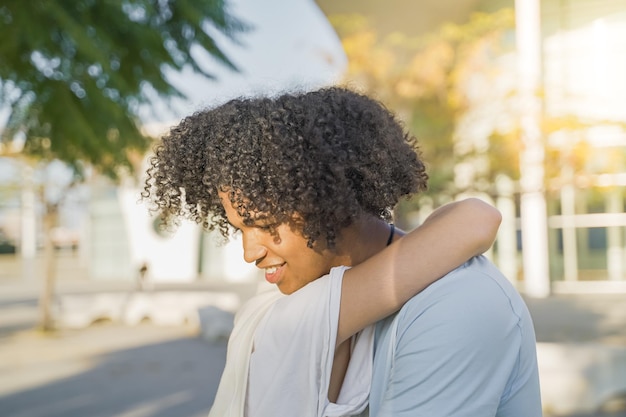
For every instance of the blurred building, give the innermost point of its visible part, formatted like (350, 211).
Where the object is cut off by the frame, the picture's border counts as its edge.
(580, 126)
(584, 66)
(582, 123)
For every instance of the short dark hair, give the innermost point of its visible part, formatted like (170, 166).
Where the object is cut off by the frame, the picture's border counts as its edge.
(328, 156)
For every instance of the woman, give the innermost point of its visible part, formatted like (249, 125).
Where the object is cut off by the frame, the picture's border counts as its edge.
(309, 180)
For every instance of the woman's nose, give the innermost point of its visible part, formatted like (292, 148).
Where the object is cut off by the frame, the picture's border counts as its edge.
(253, 248)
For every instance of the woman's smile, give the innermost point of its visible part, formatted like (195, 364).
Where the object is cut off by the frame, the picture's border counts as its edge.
(273, 274)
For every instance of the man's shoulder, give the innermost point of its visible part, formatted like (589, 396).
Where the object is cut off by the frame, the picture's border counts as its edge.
(475, 290)
(477, 278)
(463, 334)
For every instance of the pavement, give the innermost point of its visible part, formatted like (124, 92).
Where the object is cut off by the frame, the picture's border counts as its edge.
(149, 370)
(109, 370)
(103, 370)
(581, 349)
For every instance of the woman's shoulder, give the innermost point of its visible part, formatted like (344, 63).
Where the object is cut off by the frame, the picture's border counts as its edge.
(322, 284)
(258, 304)
(313, 303)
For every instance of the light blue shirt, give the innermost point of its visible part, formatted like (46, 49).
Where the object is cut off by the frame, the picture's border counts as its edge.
(465, 346)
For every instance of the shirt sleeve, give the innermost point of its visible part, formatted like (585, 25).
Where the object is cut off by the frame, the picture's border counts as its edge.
(457, 349)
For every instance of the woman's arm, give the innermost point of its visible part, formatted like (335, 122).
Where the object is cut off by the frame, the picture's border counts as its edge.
(379, 286)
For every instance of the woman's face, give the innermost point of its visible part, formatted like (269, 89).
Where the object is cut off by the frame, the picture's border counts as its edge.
(281, 251)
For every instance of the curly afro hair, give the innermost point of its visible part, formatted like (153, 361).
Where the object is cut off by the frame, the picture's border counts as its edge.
(328, 156)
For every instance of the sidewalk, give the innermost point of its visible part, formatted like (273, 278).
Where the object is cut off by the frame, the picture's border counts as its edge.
(581, 347)
(598, 318)
(106, 369)
(109, 370)
(169, 371)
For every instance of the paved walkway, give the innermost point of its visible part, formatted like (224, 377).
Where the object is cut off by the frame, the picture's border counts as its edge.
(109, 370)
(599, 318)
(582, 353)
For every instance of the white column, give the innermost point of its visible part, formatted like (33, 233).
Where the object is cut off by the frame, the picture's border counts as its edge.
(568, 210)
(533, 204)
(507, 233)
(615, 254)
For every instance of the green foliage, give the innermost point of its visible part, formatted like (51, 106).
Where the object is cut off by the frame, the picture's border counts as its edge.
(74, 72)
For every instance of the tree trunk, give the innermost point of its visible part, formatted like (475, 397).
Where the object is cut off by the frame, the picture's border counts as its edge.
(28, 242)
(46, 299)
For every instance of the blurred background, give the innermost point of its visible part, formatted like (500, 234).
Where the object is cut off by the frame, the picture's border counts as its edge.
(102, 313)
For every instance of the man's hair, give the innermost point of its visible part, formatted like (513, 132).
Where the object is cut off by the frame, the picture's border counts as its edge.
(327, 156)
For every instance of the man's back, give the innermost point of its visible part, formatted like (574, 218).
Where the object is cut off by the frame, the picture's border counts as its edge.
(465, 346)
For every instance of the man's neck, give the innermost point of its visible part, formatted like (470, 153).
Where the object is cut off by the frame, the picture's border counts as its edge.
(363, 239)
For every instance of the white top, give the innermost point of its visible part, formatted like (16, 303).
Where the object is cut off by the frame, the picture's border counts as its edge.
(230, 397)
(294, 344)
